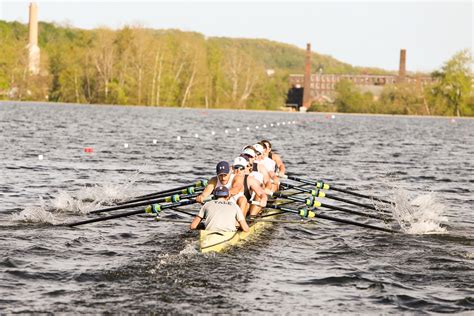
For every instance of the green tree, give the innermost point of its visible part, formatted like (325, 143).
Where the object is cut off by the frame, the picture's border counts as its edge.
(454, 82)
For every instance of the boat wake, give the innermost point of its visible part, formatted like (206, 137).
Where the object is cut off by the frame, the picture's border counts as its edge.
(81, 202)
(422, 214)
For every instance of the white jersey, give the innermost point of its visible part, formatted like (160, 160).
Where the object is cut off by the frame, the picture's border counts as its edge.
(269, 164)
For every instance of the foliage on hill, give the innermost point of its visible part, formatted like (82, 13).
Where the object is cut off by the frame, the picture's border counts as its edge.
(139, 66)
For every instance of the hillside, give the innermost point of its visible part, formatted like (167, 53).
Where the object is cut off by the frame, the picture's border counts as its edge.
(135, 65)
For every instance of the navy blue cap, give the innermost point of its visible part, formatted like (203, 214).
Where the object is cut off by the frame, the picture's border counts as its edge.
(221, 191)
(222, 168)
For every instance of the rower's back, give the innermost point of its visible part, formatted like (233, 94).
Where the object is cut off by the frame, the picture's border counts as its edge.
(221, 215)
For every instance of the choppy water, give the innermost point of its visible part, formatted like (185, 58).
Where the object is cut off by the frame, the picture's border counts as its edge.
(139, 265)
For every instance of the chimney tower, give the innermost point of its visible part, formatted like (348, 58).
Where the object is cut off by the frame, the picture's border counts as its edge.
(307, 79)
(403, 65)
(33, 49)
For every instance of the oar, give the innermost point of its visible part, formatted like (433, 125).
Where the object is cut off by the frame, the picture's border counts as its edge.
(152, 210)
(197, 184)
(325, 186)
(188, 190)
(309, 214)
(317, 192)
(312, 202)
(170, 199)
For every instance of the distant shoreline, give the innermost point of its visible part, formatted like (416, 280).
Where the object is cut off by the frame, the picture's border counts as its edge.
(230, 109)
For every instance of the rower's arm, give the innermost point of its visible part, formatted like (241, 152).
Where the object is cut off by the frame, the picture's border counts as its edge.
(259, 191)
(207, 191)
(195, 223)
(237, 186)
(241, 220)
(244, 225)
(280, 164)
(197, 220)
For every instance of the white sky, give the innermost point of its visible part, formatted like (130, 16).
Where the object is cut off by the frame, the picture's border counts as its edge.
(361, 33)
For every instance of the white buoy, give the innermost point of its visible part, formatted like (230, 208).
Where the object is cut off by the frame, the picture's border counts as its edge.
(213, 133)
(226, 131)
(237, 129)
(282, 123)
(256, 127)
(271, 125)
(333, 116)
(40, 157)
(264, 126)
(196, 135)
(248, 128)
(294, 122)
(289, 122)
(125, 145)
(155, 141)
(278, 124)
(178, 138)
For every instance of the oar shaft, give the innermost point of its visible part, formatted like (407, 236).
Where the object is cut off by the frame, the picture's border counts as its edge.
(337, 208)
(345, 221)
(360, 195)
(318, 183)
(188, 190)
(100, 219)
(198, 184)
(148, 202)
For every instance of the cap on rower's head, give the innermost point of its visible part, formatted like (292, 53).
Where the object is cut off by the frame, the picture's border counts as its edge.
(240, 161)
(222, 168)
(266, 143)
(249, 151)
(259, 148)
(221, 191)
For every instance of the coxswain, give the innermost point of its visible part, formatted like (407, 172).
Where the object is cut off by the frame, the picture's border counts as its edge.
(224, 177)
(220, 215)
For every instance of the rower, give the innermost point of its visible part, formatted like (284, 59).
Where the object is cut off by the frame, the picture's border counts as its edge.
(220, 215)
(252, 190)
(223, 177)
(280, 166)
(260, 175)
(269, 165)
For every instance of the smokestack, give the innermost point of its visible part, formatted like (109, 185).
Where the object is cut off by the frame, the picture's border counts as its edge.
(307, 78)
(33, 49)
(403, 65)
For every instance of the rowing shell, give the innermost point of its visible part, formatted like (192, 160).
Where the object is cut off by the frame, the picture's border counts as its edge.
(217, 241)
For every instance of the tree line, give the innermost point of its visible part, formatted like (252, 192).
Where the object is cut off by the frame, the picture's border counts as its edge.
(140, 66)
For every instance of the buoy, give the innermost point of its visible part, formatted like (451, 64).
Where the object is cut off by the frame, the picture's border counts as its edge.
(40, 157)
(178, 138)
(271, 125)
(88, 150)
(264, 126)
(155, 141)
(333, 116)
(226, 131)
(256, 127)
(213, 133)
(125, 145)
(196, 135)
(248, 128)
(237, 129)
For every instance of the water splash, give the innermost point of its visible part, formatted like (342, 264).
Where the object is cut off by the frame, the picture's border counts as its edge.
(35, 214)
(420, 215)
(81, 202)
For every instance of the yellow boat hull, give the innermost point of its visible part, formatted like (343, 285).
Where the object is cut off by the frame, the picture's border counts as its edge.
(217, 241)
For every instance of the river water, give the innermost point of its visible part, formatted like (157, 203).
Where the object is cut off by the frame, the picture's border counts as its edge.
(138, 265)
